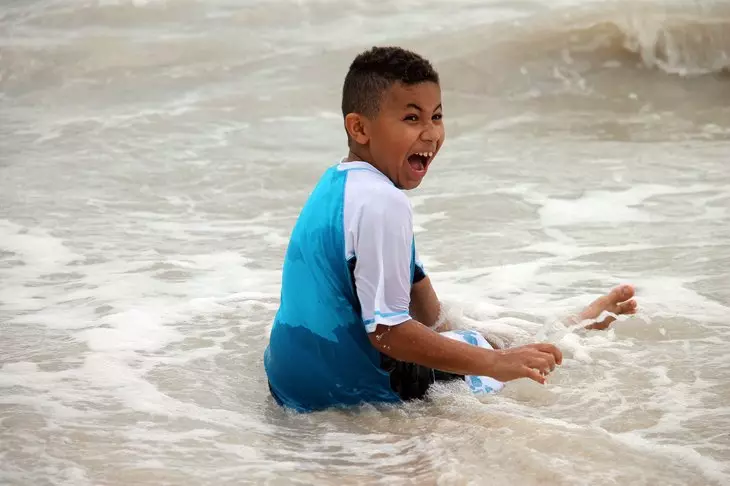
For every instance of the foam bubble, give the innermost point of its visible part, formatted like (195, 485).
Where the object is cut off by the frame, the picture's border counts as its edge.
(35, 247)
(133, 329)
(594, 207)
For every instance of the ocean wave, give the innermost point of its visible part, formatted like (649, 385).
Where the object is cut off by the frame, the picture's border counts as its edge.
(676, 42)
(688, 40)
(648, 65)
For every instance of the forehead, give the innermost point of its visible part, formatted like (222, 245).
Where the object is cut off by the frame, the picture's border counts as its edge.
(426, 95)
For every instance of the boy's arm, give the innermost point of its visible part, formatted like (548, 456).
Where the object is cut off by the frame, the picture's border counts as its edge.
(413, 342)
(382, 238)
(425, 306)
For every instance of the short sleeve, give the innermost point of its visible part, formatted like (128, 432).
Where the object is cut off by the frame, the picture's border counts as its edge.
(384, 252)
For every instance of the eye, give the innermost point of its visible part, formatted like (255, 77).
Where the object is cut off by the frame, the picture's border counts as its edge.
(410, 118)
(438, 117)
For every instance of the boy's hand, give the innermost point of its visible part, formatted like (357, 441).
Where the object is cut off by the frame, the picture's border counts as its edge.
(532, 361)
(413, 342)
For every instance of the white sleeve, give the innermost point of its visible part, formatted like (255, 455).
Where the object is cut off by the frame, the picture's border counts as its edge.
(383, 248)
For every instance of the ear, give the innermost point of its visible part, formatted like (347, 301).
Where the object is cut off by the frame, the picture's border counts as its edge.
(358, 128)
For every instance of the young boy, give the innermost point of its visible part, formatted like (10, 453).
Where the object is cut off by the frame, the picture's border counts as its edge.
(359, 320)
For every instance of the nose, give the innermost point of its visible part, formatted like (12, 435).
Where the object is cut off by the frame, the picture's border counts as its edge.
(429, 132)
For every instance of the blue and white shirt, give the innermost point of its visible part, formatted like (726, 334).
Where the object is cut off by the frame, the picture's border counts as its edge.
(349, 266)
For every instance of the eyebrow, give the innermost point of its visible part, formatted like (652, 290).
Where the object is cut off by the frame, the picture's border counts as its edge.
(413, 105)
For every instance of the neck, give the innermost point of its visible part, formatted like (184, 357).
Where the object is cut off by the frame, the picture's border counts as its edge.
(362, 154)
(357, 154)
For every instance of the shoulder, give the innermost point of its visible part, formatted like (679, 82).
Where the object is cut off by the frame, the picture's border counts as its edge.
(372, 193)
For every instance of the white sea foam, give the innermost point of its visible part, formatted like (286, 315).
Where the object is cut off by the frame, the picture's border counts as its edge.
(596, 207)
(146, 199)
(35, 247)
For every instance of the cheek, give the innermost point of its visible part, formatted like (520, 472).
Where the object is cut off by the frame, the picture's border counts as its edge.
(408, 136)
(397, 142)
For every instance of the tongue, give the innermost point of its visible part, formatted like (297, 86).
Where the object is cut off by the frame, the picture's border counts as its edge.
(416, 162)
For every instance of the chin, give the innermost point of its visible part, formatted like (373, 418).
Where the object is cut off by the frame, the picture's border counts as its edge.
(410, 185)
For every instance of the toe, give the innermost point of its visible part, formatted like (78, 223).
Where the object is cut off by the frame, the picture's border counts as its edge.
(621, 293)
(618, 301)
(628, 307)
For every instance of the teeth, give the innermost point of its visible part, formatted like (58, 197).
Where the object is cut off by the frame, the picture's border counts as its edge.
(425, 154)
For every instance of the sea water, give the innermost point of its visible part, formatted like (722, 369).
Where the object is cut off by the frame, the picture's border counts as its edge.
(154, 156)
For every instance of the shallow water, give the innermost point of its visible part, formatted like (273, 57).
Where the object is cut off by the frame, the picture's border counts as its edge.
(154, 156)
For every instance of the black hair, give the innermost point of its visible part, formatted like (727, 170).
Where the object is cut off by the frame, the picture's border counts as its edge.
(375, 70)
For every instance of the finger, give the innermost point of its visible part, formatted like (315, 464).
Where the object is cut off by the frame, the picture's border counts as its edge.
(534, 375)
(546, 352)
(552, 350)
(540, 363)
(550, 359)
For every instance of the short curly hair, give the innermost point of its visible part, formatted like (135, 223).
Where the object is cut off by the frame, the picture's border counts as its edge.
(375, 70)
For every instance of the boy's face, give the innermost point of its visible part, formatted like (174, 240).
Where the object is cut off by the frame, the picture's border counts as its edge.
(407, 133)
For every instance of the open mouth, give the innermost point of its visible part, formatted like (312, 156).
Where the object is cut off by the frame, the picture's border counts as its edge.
(419, 161)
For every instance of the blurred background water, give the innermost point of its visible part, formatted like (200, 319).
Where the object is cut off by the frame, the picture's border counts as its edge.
(154, 156)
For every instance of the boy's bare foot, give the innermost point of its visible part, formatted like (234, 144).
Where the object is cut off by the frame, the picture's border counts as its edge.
(618, 301)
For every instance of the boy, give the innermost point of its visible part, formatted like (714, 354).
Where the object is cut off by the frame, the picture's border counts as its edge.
(359, 320)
